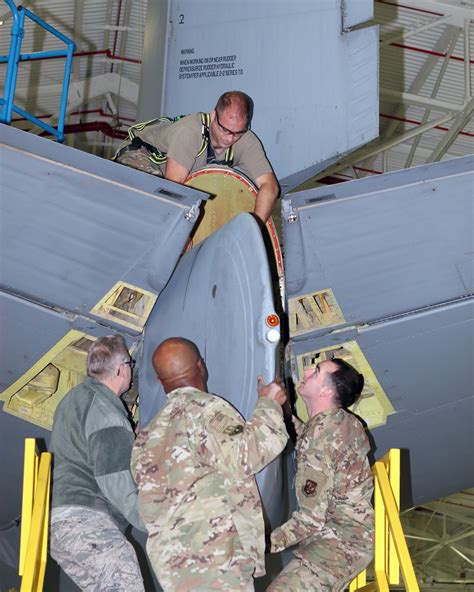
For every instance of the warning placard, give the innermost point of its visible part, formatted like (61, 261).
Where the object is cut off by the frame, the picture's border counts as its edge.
(191, 66)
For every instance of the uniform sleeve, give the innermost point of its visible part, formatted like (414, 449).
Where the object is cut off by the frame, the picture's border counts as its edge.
(185, 139)
(250, 158)
(314, 484)
(244, 448)
(298, 425)
(109, 454)
(135, 460)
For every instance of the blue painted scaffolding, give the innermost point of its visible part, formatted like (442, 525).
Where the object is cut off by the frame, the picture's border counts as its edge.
(13, 60)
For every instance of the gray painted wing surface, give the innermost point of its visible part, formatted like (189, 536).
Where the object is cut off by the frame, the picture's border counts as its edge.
(396, 250)
(26, 334)
(71, 231)
(314, 87)
(28, 331)
(219, 297)
(72, 225)
(385, 245)
(424, 362)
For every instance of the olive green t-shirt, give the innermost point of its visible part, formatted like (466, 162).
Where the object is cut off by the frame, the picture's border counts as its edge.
(182, 141)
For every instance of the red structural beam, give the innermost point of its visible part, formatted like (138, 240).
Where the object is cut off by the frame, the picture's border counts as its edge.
(108, 54)
(429, 52)
(421, 49)
(415, 122)
(93, 126)
(409, 7)
(100, 112)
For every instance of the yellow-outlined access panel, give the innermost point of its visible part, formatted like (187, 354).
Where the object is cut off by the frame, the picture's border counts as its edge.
(317, 310)
(35, 395)
(373, 405)
(126, 305)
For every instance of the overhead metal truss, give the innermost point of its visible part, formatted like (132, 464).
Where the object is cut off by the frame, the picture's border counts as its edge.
(106, 68)
(441, 541)
(426, 104)
(426, 56)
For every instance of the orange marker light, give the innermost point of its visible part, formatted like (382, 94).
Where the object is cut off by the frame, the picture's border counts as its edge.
(272, 320)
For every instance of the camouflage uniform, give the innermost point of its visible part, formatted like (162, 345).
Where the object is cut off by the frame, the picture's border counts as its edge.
(335, 523)
(194, 467)
(140, 159)
(93, 552)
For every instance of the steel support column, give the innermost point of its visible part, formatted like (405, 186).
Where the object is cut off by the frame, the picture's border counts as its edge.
(150, 100)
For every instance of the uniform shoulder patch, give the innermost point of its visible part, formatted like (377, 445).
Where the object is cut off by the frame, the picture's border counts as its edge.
(218, 422)
(233, 430)
(225, 424)
(310, 487)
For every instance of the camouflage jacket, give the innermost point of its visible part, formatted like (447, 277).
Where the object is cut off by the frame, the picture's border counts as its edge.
(334, 486)
(194, 465)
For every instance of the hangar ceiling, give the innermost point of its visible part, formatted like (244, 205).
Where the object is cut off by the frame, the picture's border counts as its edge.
(441, 541)
(426, 57)
(426, 103)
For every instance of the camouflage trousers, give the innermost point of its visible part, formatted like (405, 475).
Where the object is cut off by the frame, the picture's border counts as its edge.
(208, 582)
(297, 576)
(219, 574)
(90, 548)
(332, 573)
(138, 159)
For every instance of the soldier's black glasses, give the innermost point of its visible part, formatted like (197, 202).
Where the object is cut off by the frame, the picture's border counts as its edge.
(228, 131)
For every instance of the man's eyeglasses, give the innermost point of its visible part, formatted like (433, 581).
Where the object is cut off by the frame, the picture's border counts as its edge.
(131, 362)
(228, 131)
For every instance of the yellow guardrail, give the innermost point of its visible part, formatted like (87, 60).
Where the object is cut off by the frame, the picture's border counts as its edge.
(391, 553)
(34, 518)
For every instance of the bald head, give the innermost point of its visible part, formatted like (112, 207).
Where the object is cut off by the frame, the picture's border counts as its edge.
(177, 363)
(237, 102)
